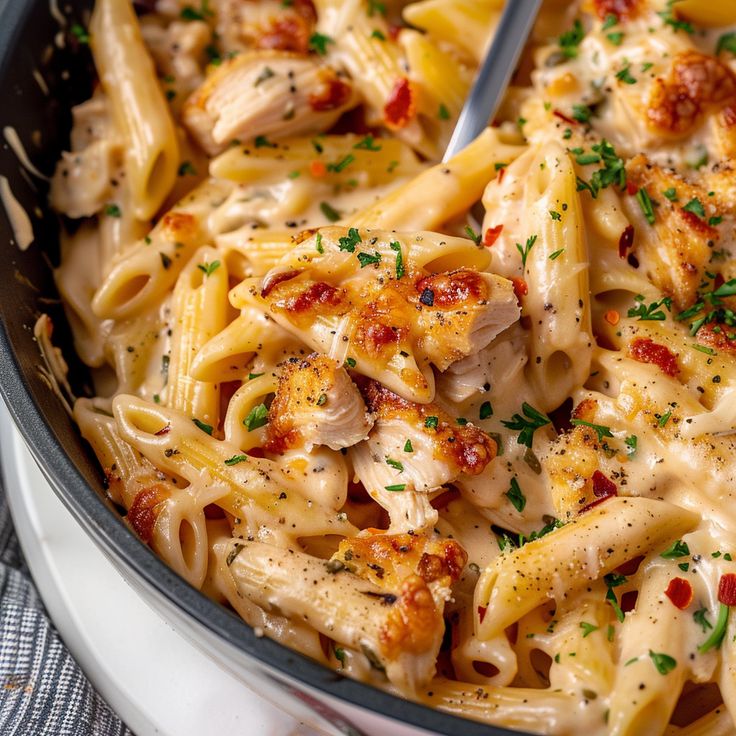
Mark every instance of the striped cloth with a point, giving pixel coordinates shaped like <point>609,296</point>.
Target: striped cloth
<point>43,692</point>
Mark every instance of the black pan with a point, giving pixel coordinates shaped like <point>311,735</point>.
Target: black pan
<point>27,33</point>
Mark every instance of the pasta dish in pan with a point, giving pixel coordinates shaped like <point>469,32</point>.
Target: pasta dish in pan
<point>486,464</point>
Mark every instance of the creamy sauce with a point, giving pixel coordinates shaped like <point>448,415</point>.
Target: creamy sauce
<point>15,143</point>
<point>19,220</point>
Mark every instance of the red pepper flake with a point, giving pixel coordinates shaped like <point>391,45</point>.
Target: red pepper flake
<point>631,188</point>
<point>501,173</point>
<point>482,612</point>
<point>727,589</point>
<point>630,567</point>
<point>622,9</point>
<point>564,117</point>
<point>394,31</point>
<point>164,430</point>
<point>491,235</point>
<point>628,600</point>
<point>680,592</point>
<point>625,241</point>
<point>603,487</point>
<point>399,108</point>
<point>645,350</point>
<point>520,287</point>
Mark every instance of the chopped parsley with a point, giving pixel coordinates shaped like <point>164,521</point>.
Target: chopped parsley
<point>527,424</point>
<point>350,362</point>
<point>376,8</point>
<point>726,42</point>
<point>612,172</point>
<point>342,164</point>
<point>516,496</point>
<point>677,549</point>
<point>408,447</point>
<point>616,38</point>
<point>208,268</point>
<point>649,312</point>
<point>570,40</point>
<point>554,256</point>
<point>112,210</point>
<point>340,656</point>
<point>624,75</point>
<point>395,464</point>
<point>367,144</point>
<point>443,113</point>
<point>262,142</point>
<point>588,628</point>
<point>669,18</point>
<point>663,662</point>
<point>524,249</point>
<point>329,211</point>
<point>609,21</point>
<point>318,43</point>
<point>80,33</point>
<point>631,443</point>
<point>321,400</point>
<point>475,237</point>
<point>645,202</point>
<point>236,459</point>
<point>396,247</point>
<point>378,35</point>
<point>662,421</point>
<point>251,376</point>
<point>318,244</point>
<point>204,427</point>
<point>187,168</point>
<point>695,206</point>
<point>581,113</point>
<point>266,73</point>
<point>486,410</point>
<point>556,215</point>
<point>366,259</point>
<point>599,429</point>
<point>701,618</point>
<point>670,194</point>
<point>396,487</point>
<point>351,240</point>
<point>719,313</point>
<point>190,13</point>
<point>431,422</point>
<point>257,418</point>
<point>716,637</point>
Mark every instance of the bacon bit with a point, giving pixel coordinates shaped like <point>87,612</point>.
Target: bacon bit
<point>630,567</point>
<point>482,612</point>
<point>622,9</point>
<point>631,188</point>
<point>275,280</point>
<point>727,589</point>
<point>603,487</point>
<point>316,295</point>
<point>163,430</point>
<point>454,288</point>
<point>612,317</point>
<point>469,447</point>
<point>317,169</point>
<point>520,287</point>
<point>680,592</point>
<point>333,93</point>
<point>628,601</point>
<point>564,117</point>
<point>645,350</point>
<point>181,225</point>
<point>491,235</point>
<point>399,108</point>
<point>626,241</point>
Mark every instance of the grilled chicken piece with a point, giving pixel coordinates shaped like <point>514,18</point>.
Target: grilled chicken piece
<point>376,299</point>
<point>399,631</point>
<point>316,403</point>
<point>388,559</point>
<point>674,251</point>
<point>259,94</point>
<point>412,450</point>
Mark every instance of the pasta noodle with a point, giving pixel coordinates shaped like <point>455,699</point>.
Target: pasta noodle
<point>485,462</point>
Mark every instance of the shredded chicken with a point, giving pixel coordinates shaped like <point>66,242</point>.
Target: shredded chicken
<point>316,404</point>
<point>257,94</point>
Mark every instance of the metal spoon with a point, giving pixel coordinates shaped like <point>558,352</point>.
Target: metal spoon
<point>495,73</point>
